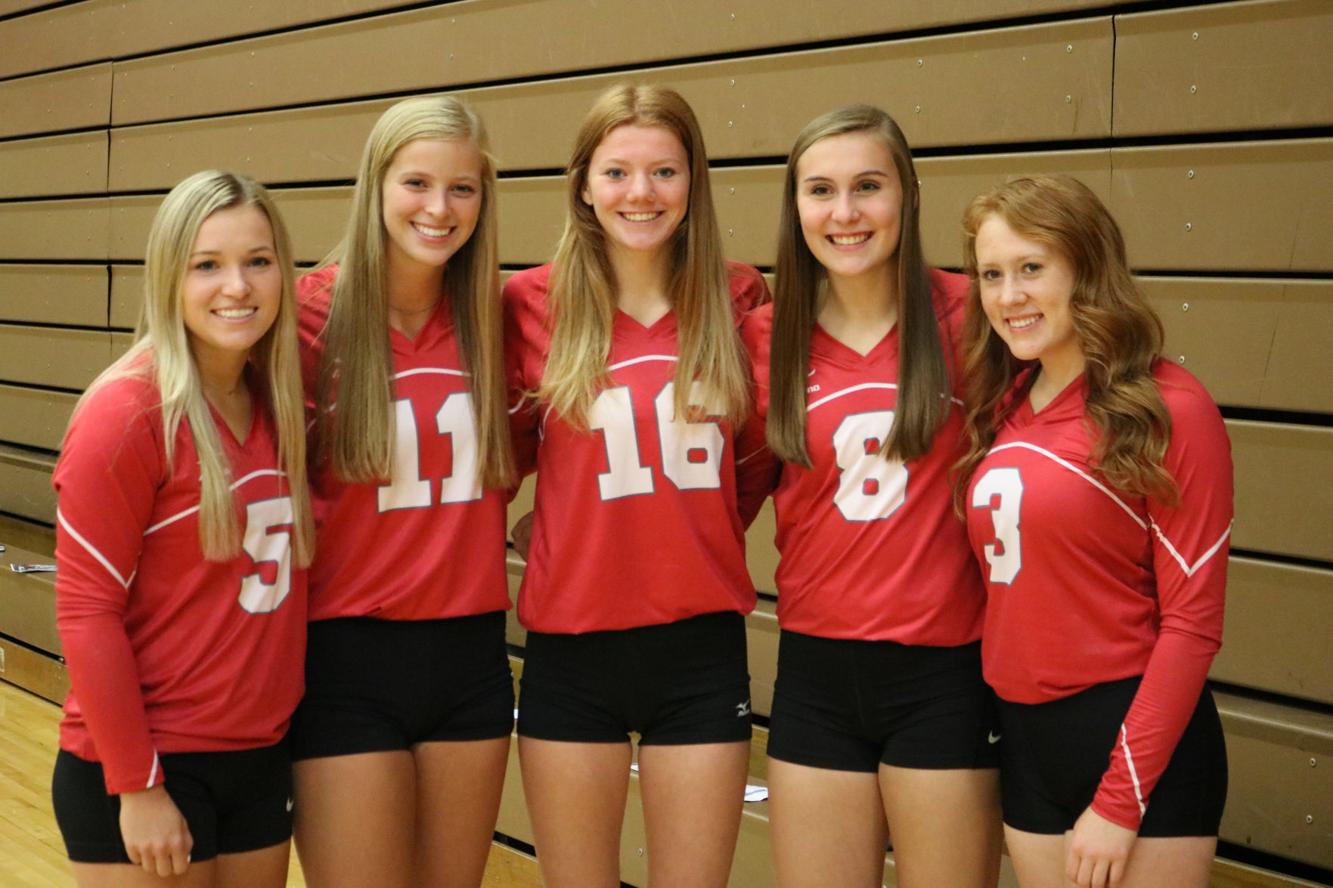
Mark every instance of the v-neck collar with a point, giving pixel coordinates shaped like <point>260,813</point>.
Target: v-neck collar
<point>436,326</point>
<point>832,347</point>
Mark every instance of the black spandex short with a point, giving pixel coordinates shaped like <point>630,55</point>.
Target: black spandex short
<point>380,685</point>
<point>851,705</point>
<point>678,683</point>
<point>1054,756</point>
<point>232,801</point>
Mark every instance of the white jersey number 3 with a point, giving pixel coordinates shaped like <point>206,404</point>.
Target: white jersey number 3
<point>870,488</point>
<point>268,541</point>
<point>1001,491</point>
<point>691,451</point>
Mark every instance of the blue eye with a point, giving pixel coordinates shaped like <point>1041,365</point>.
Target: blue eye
<point>666,173</point>
<point>614,173</point>
<point>261,262</point>
<point>868,185</point>
<point>205,265</point>
<point>1031,267</point>
<point>820,190</point>
<point>464,189</point>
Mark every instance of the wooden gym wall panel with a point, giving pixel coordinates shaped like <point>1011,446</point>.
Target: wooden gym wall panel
<point>25,485</point>
<point>126,296</point>
<point>10,7</point>
<point>1236,206</point>
<point>53,294</point>
<point>55,229</point>
<point>532,125</point>
<point>33,417</point>
<point>453,44</point>
<point>27,602</point>
<point>1254,342</point>
<point>1281,505</point>
<point>74,99</point>
<point>1234,66</point>
<point>51,356</point>
<point>58,38</point>
<point>1276,634</point>
<point>1279,765</point>
<point>73,164</point>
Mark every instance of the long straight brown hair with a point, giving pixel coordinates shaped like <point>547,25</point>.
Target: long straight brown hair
<point>1117,330</point>
<point>357,367</point>
<point>923,373</point>
<point>583,288</point>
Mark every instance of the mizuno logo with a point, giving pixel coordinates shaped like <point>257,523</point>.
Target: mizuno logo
<point>992,738</point>
<point>743,709</point>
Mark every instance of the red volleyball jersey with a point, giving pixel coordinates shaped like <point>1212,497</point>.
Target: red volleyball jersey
<point>1089,585</point>
<point>871,549</point>
<point>168,652</point>
<point>430,543</point>
<point>635,520</point>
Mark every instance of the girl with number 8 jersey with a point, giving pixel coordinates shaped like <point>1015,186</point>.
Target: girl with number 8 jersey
<point>1099,502</point>
<point>183,528</point>
<point>636,583</point>
<point>879,711</point>
<point>402,739</point>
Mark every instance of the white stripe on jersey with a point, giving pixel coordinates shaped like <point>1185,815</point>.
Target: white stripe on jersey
<point>190,511</point>
<point>92,550</point>
<point>860,387</point>
<point>1203,559</point>
<point>1077,471</point>
<point>1133,774</point>
<point>152,773</point>
<point>641,359</point>
<point>421,371</point>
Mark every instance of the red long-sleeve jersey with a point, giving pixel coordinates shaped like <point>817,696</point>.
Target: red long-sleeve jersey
<point>871,548</point>
<point>1089,585</point>
<point>168,652</point>
<point>430,543</point>
<point>635,519</point>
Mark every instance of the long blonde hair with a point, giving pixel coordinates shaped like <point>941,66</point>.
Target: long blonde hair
<point>583,289</point>
<point>923,374</point>
<point>1117,330</point>
<point>357,367</point>
<point>161,352</point>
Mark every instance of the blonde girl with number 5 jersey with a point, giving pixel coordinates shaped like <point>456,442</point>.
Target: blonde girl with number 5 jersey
<point>880,714</point>
<point>402,739</point>
<point>183,526</point>
<point>636,585</point>
<point>1100,630</point>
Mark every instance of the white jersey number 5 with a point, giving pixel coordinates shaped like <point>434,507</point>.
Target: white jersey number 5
<point>1001,491</point>
<point>268,541</point>
<point>870,488</point>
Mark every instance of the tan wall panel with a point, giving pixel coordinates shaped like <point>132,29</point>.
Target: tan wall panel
<point>439,47</point>
<point>760,554</point>
<point>761,635</point>
<point>1254,343</point>
<point>65,100</point>
<point>28,601</point>
<point>9,7</point>
<point>533,125</point>
<point>70,35</point>
<point>34,418</point>
<point>1277,629</point>
<point>48,356</point>
<point>74,164</point>
<point>1284,504</point>
<point>42,675</point>
<point>55,229</point>
<point>53,294</point>
<point>126,295</point>
<point>1260,206</point>
<point>1253,65</point>
<point>1279,761</point>
<point>25,486</point>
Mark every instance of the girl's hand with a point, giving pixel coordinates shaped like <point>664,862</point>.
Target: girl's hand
<point>1098,851</point>
<point>156,835</point>
<point>522,535</point>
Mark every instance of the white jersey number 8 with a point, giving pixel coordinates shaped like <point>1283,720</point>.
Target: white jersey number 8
<point>870,488</point>
<point>267,545</point>
<point>1004,486</point>
<point>691,451</point>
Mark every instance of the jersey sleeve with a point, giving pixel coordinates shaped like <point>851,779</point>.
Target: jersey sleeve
<point>1190,543</point>
<point>106,483</point>
<point>749,290</point>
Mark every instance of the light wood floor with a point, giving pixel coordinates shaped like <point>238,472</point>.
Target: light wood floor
<point>31,852</point>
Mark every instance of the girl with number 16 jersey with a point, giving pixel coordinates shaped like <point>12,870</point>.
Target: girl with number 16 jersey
<point>626,350</point>
<point>879,712</point>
